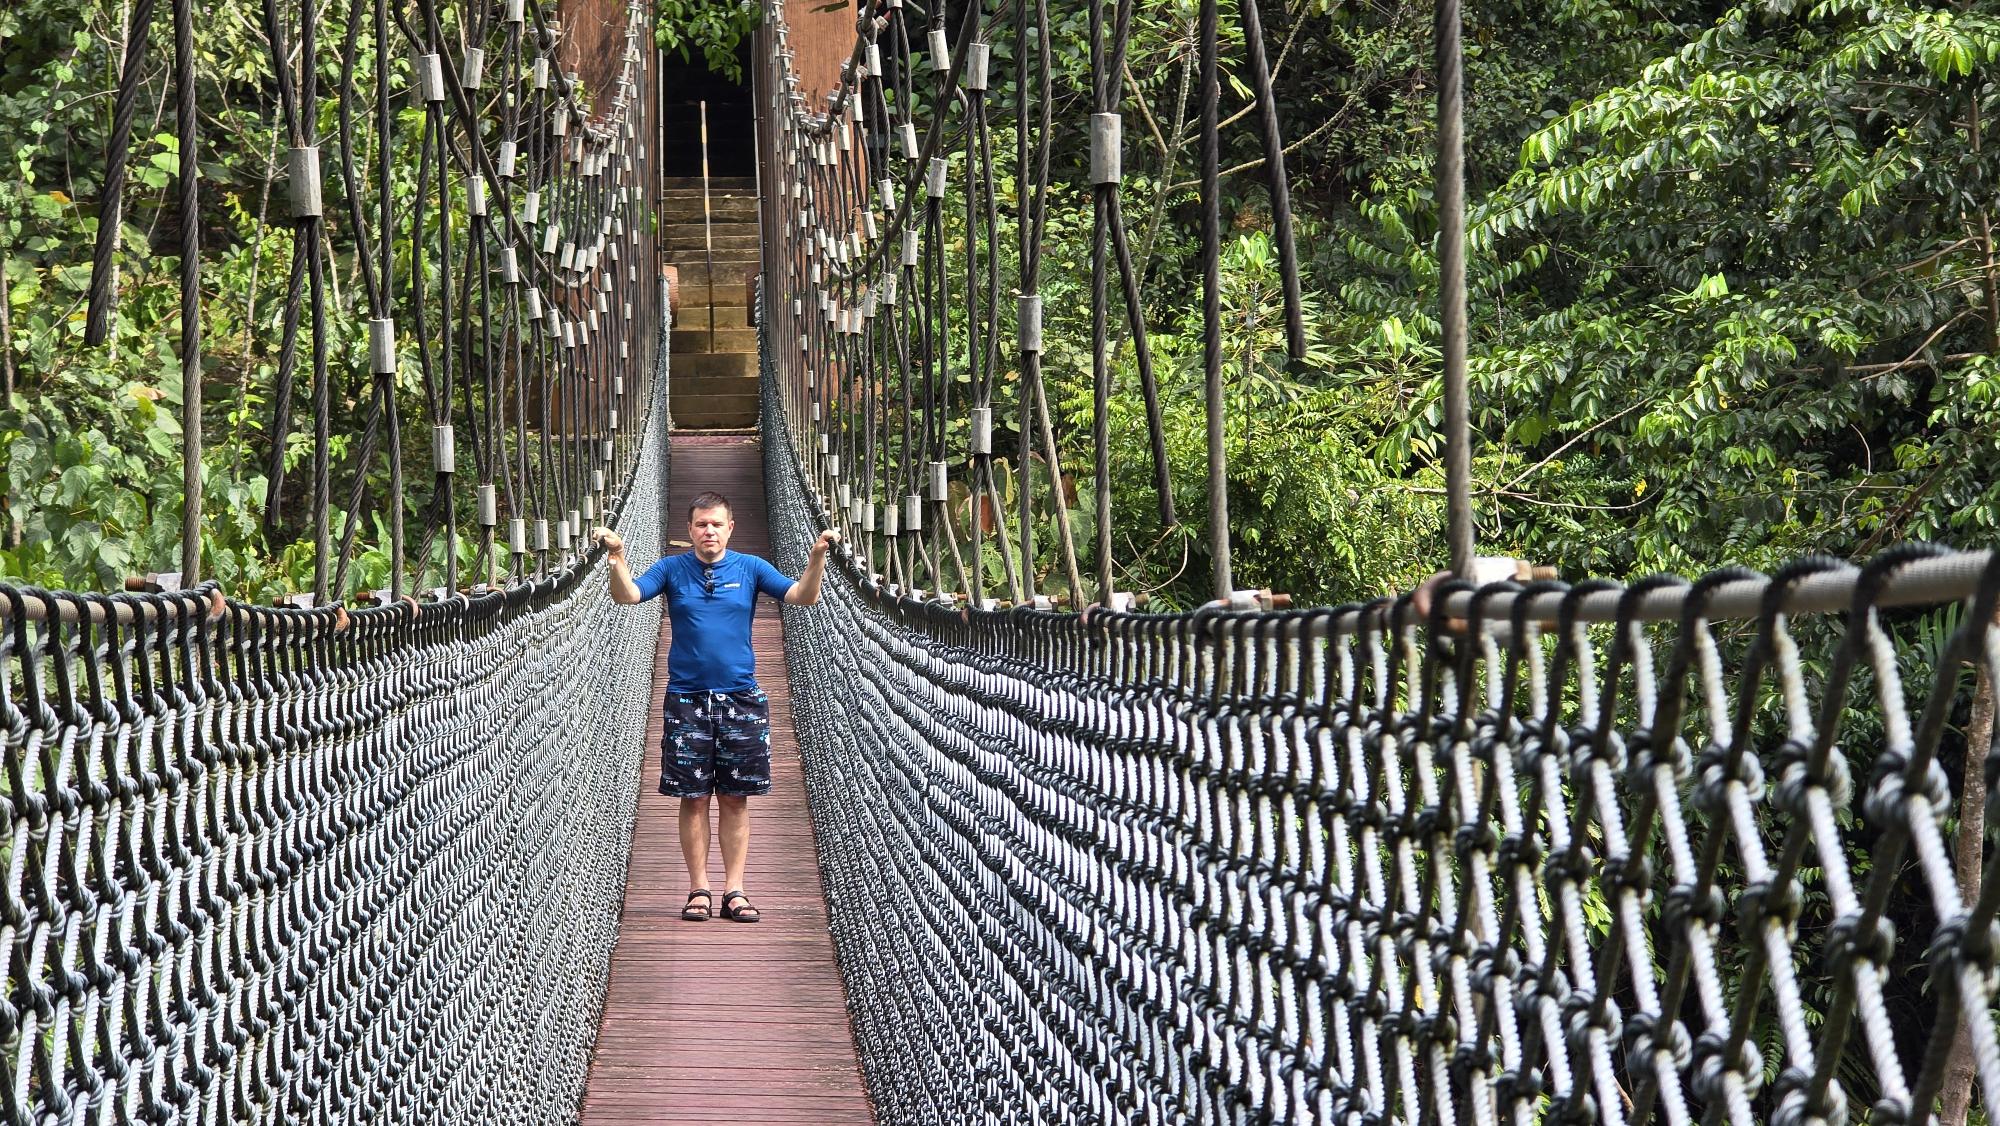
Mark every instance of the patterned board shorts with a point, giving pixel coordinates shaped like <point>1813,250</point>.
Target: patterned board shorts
<point>716,742</point>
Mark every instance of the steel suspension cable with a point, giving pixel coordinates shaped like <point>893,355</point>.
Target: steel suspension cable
<point>188,174</point>
<point>1222,582</point>
<point>1451,285</point>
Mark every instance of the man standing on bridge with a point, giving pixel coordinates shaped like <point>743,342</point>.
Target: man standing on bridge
<point>718,726</point>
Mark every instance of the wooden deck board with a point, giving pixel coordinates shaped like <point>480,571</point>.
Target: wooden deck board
<point>720,1020</point>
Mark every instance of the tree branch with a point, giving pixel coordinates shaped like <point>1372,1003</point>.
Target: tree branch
<point>1564,448</point>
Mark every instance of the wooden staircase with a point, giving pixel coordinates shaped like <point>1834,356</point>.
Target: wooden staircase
<point>714,374</point>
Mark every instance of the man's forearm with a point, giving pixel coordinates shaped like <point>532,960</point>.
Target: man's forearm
<point>623,589</point>
<point>810,581</point>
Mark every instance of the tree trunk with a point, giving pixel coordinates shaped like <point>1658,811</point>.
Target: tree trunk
<point>1969,851</point>
<point>6,339</point>
<point>1968,859</point>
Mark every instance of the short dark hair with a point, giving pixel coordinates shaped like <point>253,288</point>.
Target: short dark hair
<point>710,500</point>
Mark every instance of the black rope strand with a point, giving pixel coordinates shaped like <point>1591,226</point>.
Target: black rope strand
<point>384,174</point>
<point>1222,583</point>
<point>1275,179</point>
<point>187,129</point>
<point>310,230</point>
<point>1451,285</point>
<point>1025,193</point>
<point>1104,106</point>
<point>1135,317</point>
<point>118,154</point>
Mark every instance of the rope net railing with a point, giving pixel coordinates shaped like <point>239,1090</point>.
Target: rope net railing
<point>283,865</point>
<point>1601,854</point>
<point>1678,851</point>
<point>360,857</point>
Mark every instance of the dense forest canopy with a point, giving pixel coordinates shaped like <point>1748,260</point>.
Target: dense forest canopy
<point>1732,278</point>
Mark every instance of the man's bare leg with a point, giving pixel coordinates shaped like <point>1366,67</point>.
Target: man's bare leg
<point>735,818</point>
<point>694,839</point>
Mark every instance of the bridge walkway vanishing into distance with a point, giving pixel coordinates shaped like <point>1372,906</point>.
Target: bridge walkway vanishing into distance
<point>724,1021</point>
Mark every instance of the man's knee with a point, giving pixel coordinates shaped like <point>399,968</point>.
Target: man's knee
<point>732,804</point>
<point>695,807</point>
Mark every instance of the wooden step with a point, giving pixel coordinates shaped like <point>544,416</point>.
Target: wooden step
<point>690,221</point>
<point>715,194</point>
<point>689,237</point>
<point>688,257</point>
<point>680,214</point>
<point>728,412</point>
<point>734,237</point>
<point>690,387</point>
<point>738,183</point>
<point>683,210</point>
<point>739,292</point>
<point>692,224</point>
<point>693,336</point>
<point>694,317</point>
<point>713,365</point>
<point>727,275</point>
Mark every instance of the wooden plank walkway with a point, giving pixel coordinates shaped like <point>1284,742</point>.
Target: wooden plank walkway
<point>722,1021</point>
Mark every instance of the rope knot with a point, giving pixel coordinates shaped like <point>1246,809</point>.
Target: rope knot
<point>1577,1108</point>
<point>1797,776</point>
<point>1587,748</point>
<point>1476,837</point>
<point>1582,1016</point>
<point>1491,965</point>
<point>1516,1086</point>
<point>1889,798</point>
<point>1429,821</point>
<point>1714,1069</point>
<point>1717,768</point>
<point>1800,1105</point>
<point>1769,901</point>
<point>1648,1036</point>
<point>1438,1028</point>
<point>1631,872</point>
<point>1468,1060</point>
<point>1523,849</point>
<point>1571,865</point>
<point>1887,1111</point>
<point>1847,942</point>
<point>1686,906</point>
<point>1958,945</point>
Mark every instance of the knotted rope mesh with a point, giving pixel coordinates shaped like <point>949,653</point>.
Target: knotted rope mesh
<point>1678,851</point>
<point>317,866</point>
<point>314,865</point>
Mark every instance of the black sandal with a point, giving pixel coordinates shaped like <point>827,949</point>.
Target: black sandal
<point>747,913</point>
<point>695,914</point>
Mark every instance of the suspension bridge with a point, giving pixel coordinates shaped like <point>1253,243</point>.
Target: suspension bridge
<point>1529,851</point>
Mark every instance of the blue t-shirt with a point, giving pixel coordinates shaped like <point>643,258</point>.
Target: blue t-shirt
<point>711,605</point>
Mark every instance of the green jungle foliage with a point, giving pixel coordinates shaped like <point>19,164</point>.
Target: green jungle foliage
<point>711,32</point>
